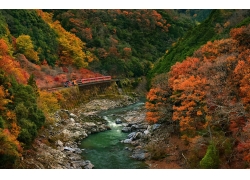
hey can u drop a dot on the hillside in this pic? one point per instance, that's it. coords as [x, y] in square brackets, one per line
[216, 26]
[35, 53]
[204, 100]
[126, 42]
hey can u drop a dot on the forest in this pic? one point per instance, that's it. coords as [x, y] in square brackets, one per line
[196, 63]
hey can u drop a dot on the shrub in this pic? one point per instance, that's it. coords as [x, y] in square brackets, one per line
[25, 137]
[157, 150]
[8, 149]
[211, 159]
[36, 116]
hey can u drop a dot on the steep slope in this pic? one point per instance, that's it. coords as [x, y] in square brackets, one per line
[204, 101]
[216, 26]
[29, 51]
[126, 42]
[29, 23]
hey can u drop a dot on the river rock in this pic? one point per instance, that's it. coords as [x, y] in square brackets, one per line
[128, 149]
[118, 121]
[127, 141]
[135, 143]
[146, 132]
[130, 124]
[74, 157]
[142, 126]
[66, 134]
[126, 129]
[102, 128]
[69, 149]
[78, 151]
[89, 125]
[88, 165]
[125, 124]
[139, 156]
[134, 127]
[156, 126]
[94, 130]
[131, 135]
[138, 135]
[72, 120]
[72, 115]
[78, 164]
[59, 143]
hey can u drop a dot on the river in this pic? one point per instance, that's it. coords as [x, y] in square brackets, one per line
[105, 150]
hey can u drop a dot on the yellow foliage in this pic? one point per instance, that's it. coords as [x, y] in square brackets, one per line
[8, 144]
[15, 129]
[70, 46]
[47, 102]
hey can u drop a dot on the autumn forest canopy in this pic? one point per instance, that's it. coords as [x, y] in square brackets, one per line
[197, 64]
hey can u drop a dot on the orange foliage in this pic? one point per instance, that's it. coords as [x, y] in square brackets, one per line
[6, 145]
[210, 93]
[3, 99]
[127, 52]
[88, 33]
[158, 105]
[10, 65]
[3, 48]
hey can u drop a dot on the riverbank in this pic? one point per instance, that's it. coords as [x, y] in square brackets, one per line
[56, 146]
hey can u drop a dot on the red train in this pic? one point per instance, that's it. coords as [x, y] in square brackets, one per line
[86, 81]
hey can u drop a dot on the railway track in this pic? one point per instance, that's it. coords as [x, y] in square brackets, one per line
[82, 82]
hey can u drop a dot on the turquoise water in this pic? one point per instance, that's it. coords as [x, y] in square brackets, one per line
[105, 150]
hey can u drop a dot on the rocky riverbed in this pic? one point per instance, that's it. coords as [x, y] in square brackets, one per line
[139, 133]
[56, 146]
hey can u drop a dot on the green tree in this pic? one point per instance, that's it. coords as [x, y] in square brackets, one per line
[1, 122]
[211, 159]
[32, 83]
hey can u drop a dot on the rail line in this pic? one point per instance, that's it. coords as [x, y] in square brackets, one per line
[83, 82]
